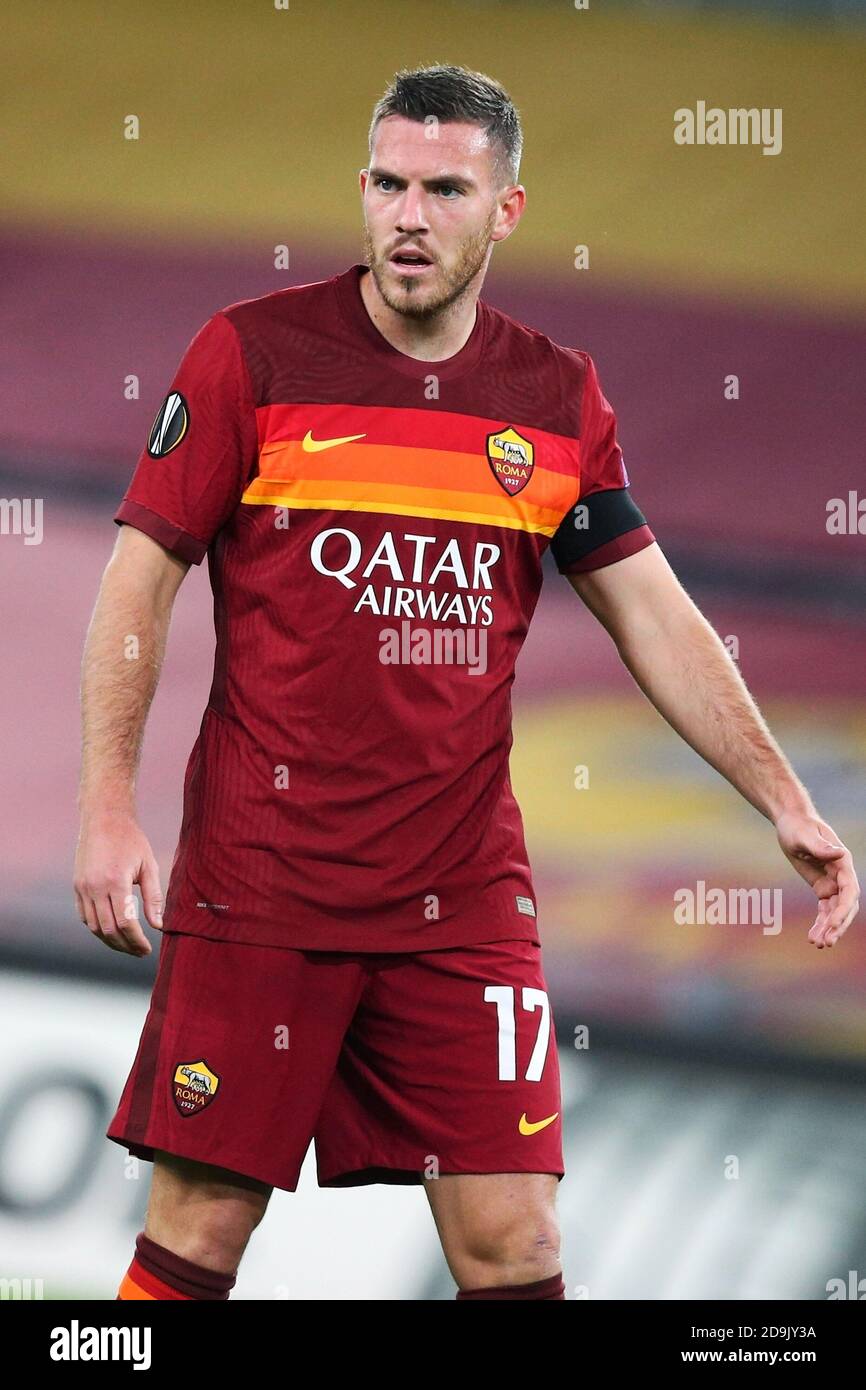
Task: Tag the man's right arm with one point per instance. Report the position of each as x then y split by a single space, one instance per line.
122 660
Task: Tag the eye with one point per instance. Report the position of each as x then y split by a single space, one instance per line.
443 186
380 180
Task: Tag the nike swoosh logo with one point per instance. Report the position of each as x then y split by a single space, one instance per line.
527 1127
312 446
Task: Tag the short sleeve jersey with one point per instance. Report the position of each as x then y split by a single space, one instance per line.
374 527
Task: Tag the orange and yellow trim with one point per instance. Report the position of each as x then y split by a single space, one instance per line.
368 475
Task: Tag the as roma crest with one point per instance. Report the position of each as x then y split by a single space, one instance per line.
512 459
193 1086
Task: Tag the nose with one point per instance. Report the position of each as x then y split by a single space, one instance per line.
411 212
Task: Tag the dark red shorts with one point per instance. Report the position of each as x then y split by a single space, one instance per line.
398 1066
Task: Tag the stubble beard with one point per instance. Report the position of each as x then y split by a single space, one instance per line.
454 281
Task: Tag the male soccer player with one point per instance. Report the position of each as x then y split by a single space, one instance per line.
374 466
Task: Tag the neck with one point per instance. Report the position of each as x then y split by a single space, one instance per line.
428 340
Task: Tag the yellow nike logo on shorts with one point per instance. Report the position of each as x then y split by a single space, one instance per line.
312 446
527 1127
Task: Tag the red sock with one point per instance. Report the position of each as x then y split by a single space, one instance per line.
156 1272
548 1289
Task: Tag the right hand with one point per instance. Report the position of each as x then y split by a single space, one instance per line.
113 853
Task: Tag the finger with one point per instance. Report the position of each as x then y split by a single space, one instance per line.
831 924
834 933
826 886
125 908
106 921
816 931
820 852
847 895
831 877
826 847
151 893
109 941
831 852
817 858
843 901
821 936
846 869
88 912
91 919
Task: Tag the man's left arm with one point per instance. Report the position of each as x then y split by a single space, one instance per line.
684 669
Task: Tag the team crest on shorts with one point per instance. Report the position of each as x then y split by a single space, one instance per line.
193 1086
512 459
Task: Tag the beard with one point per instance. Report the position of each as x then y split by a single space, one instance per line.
417 301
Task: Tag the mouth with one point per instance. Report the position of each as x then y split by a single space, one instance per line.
410 262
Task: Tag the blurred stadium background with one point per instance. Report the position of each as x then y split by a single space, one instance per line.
706 1043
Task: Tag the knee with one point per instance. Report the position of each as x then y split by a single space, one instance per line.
512 1247
203 1214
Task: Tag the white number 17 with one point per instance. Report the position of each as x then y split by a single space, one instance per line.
503 997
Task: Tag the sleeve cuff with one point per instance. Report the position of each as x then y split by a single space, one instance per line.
173 537
629 543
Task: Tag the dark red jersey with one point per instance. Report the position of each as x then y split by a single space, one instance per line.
374 527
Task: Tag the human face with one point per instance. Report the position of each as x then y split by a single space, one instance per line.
431 191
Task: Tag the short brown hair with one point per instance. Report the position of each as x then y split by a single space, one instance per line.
457 94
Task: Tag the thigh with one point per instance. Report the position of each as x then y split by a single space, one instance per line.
236 1054
450 1067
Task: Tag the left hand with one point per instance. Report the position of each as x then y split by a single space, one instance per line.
819 857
